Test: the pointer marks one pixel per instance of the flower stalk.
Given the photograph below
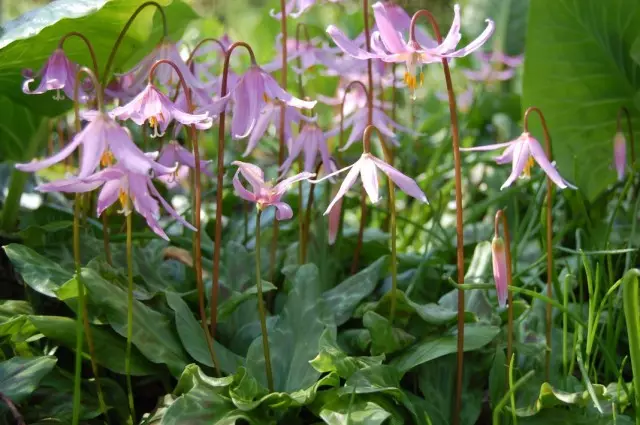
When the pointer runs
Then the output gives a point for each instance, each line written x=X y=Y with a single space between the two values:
x=455 y=140
x=302 y=220
x=261 y=308
x=217 y=241
x=501 y=219
x=197 y=206
x=549 y=221
x=127 y=358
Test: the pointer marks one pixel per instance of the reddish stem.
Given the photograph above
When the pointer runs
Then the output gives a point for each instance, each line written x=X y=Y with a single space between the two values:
x=217 y=241
x=204 y=41
x=197 y=247
x=89 y=46
x=502 y=218
x=455 y=140
x=547 y=141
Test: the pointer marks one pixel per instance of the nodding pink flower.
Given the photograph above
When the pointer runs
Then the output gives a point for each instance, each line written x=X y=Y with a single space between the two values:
x=134 y=79
x=154 y=106
x=388 y=45
x=102 y=140
x=334 y=221
x=306 y=53
x=250 y=95
x=499 y=256
x=523 y=153
x=263 y=194
x=489 y=71
x=174 y=153
x=359 y=122
x=271 y=115
x=354 y=99
x=171 y=181
x=620 y=154
x=118 y=183
x=400 y=21
x=58 y=73
x=312 y=141
x=367 y=167
x=295 y=8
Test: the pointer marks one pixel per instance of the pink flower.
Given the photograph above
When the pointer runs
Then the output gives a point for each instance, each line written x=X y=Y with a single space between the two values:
x=388 y=44
x=174 y=153
x=154 y=106
x=264 y=194
x=58 y=73
x=523 y=153
x=499 y=257
x=367 y=167
x=295 y=8
x=306 y=53
x=254 y=90
x=102 y=140
x=489 y=64
x=312 y=141
x=620 y=154
x=334 y=221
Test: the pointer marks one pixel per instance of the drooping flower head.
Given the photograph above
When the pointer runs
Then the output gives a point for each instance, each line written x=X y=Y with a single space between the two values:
x=491 y=67
x=153 y=106
x=388 y=45
x=262 y=193
x=499 y=257
x=58 y=73
x=252 y=93
x=620 y=154
x=102 y=140
x=120 y=184
x=523 y=153
x=312 y=141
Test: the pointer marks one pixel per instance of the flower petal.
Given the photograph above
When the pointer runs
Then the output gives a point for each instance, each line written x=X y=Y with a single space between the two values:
x=276 y=92
x=520 y=158
x=369 y=176
x=404 y=182
x=349 y=180
x=252 y=173
x=541 y=158
x=108 y=195
x=348 y=46
x=388 y=33
x=283 y=211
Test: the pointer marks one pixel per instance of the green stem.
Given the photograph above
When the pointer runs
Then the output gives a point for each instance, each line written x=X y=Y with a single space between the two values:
x=127 y=359
x=11 y=206
x=507 y=396
x=394 y=254
x=77 y=380
x=261 y=309
x=513 y=394
x=632 y=315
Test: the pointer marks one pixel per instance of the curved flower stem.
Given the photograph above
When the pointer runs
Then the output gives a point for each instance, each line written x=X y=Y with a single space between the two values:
x=455 y=141
x=202 y=42
x=197 y=206
x=261 y=309
x=86 y=41
x=217 y=241
x=502 y=218
x=632 y=145
x=547 y=141
x=123 y=32
x=281 y=128
x=82 y=322
x=17 y=417
x=369 y=92
x=392 y=216
x=127 y=357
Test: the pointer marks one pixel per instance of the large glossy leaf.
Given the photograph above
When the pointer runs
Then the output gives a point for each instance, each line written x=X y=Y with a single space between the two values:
x=28 y=41
x=193 y=338
x=153 y=332
x=41 y=274
x=475 y=337
x=294 y=337
x=109 y=348
x=579 y=72
x=19 y=376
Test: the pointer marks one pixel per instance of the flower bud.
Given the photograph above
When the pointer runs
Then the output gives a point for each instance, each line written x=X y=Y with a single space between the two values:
x=334 y=221
x=620 y=154
x=500 y=269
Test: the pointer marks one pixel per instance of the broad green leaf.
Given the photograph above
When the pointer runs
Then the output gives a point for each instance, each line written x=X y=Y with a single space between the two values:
x=498 y=377
x=342 y=412
x=28 y=41
x=109 y=348
x=294 y=337
x=385 y=339
x=475 y=337
x=345 y=297
x=41 y=274
x=511 y=22
x=193 y=338
x=579 y=72
x=153 y=332
x=19 y=376
x=228 y=306
x=560 y=416
x=332 y=359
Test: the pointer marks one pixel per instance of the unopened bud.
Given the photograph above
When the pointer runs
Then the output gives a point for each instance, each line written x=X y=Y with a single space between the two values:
x=620 y=154
x=500 y=269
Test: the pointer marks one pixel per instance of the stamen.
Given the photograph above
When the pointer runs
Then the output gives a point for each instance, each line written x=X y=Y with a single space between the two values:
x=106 y=160
x=123 y=197
x=527 y=167
x=58 y=95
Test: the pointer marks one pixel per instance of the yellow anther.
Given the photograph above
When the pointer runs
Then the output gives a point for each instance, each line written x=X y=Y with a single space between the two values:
x=106 y=160
x=421 y=78
x=527 y=167
x=124 y=200
x=266 y=98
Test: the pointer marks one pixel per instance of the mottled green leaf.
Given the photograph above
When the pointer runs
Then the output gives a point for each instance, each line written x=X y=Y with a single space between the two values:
x=41 y=274
x=19 y=376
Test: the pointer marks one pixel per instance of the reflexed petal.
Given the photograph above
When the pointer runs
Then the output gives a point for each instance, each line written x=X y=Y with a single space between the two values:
x=252 y=173
x=541 y=158
x=475 y=44
x=285 y=184
x=506 y=156
x=167 y=207
x=349 y=180
x=405 y=183
x=346 y=44
x=369 y=177
x=276 y=92
x=108 y=195
x=265 y=118
x=240 y=189
x=283 y=211
x=388 y=33
x=244 y=110
x=54 y=159
x=453 y=36
x=520 y=158
x=499 y=258
x=334 y=221
x=72 y=185
x=491 y=147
